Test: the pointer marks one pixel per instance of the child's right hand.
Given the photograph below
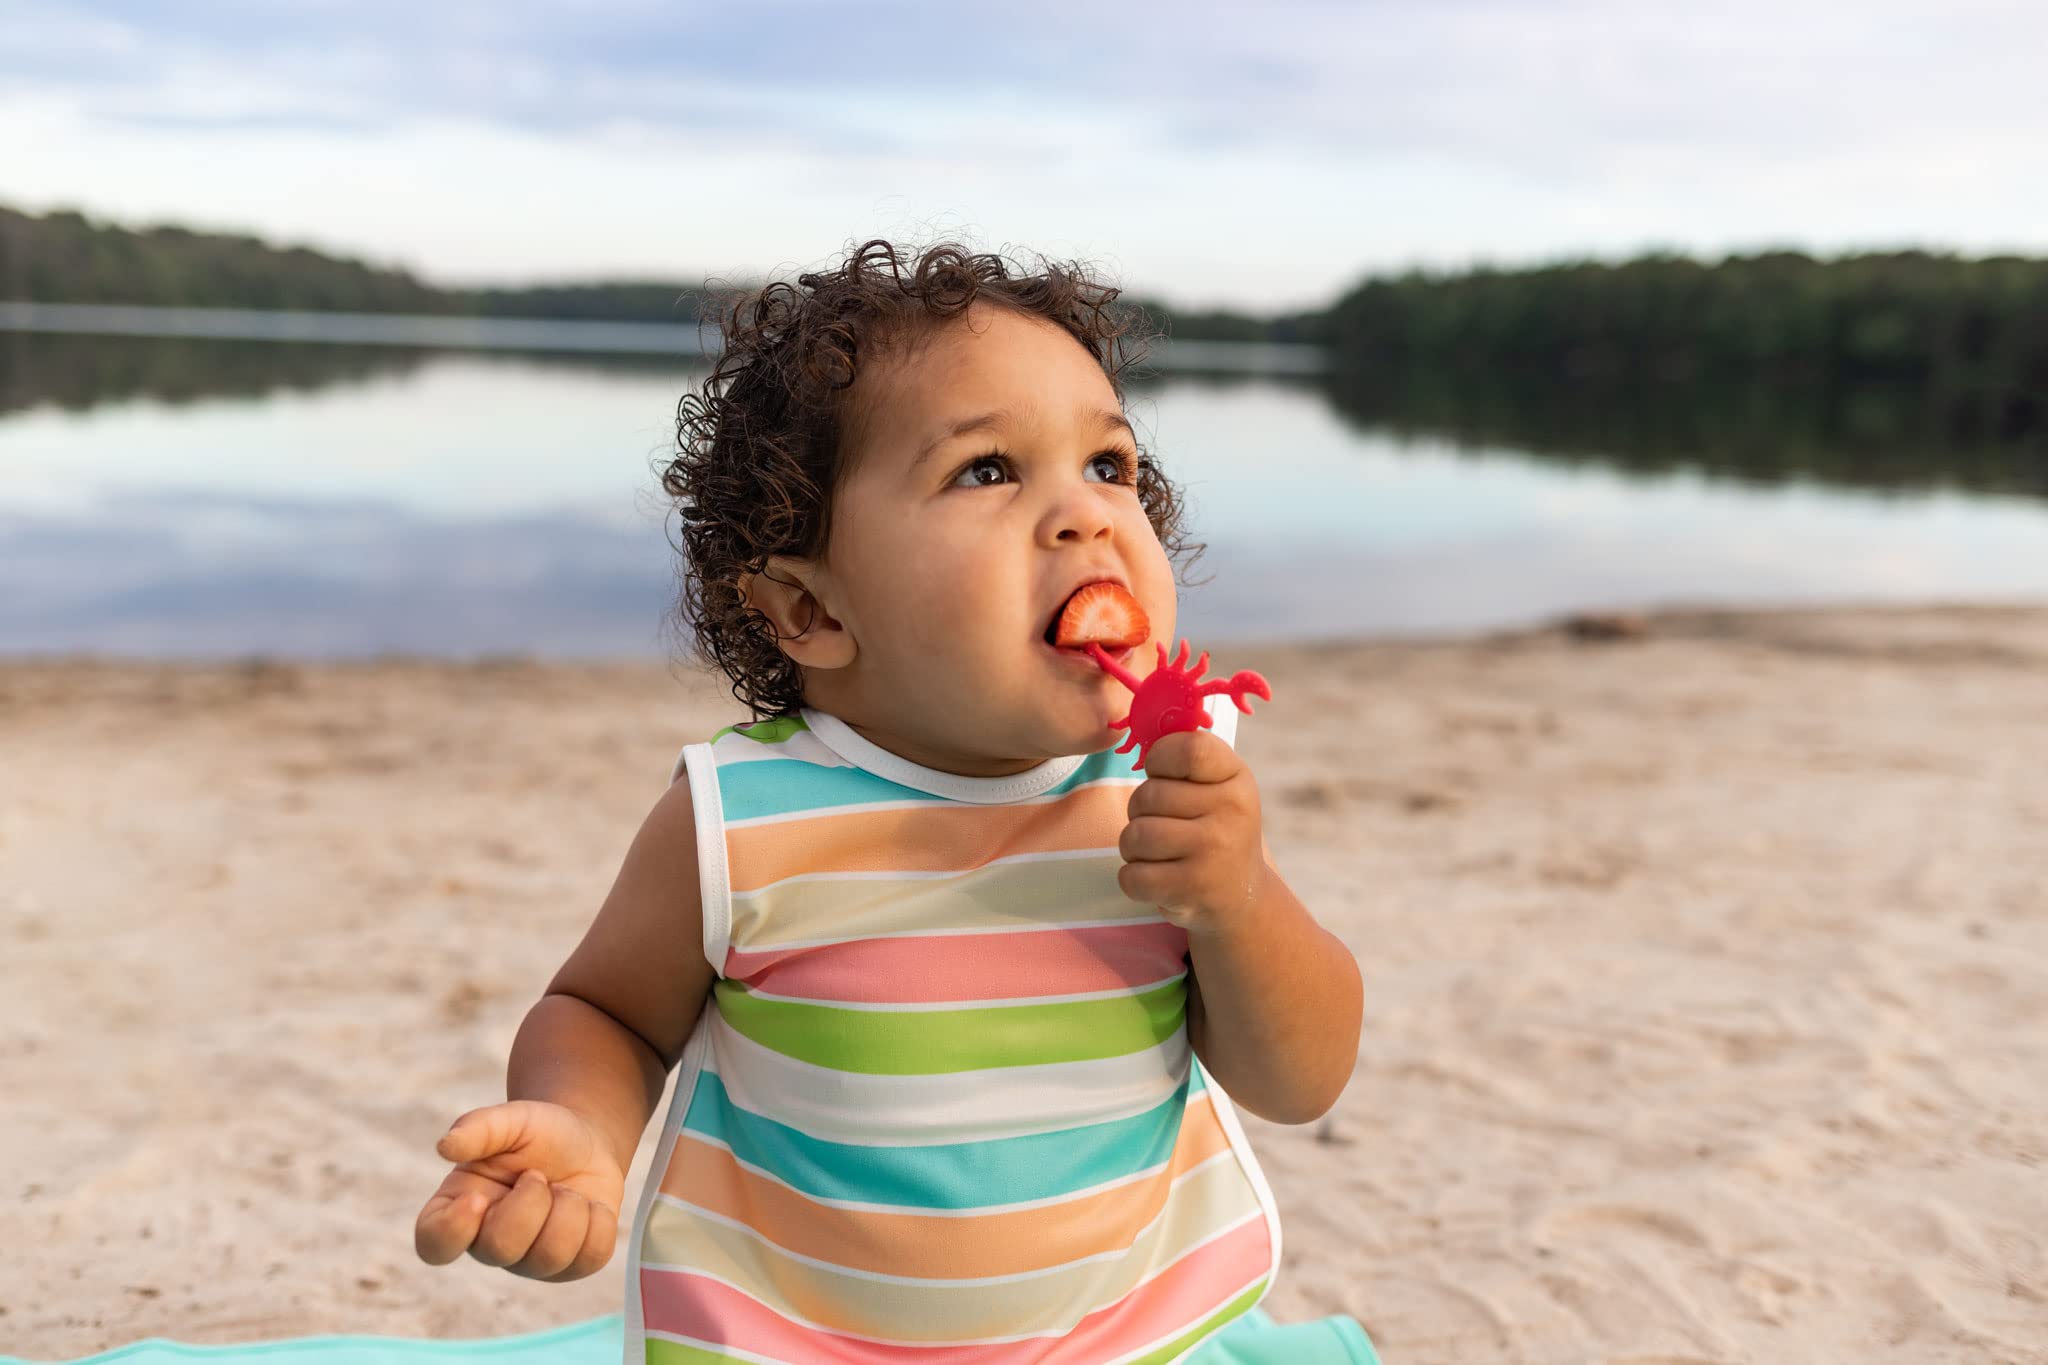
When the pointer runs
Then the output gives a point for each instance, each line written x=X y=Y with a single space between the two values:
x=535 y=1190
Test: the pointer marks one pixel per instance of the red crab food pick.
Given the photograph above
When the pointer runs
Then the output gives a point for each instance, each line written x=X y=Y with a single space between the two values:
x=1167 y=699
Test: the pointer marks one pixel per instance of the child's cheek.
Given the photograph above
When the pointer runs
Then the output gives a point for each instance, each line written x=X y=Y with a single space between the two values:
x=948 y=597
x=1152 y=576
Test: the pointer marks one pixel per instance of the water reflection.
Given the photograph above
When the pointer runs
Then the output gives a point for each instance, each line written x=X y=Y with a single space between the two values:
x=170 y=573
x=1868 y=436
x=77 y=373
x=1856 y=435
x=219 y=497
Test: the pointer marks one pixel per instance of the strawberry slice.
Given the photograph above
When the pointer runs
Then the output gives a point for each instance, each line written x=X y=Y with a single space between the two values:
x=1104 y=614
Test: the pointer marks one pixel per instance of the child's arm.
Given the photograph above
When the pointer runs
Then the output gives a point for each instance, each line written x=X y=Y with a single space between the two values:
x=586 y=1071
x=613 y=1022
x=1274 y=1005
x=1274 y=999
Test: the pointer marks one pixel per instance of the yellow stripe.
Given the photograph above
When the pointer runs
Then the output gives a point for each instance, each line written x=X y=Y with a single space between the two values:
x=1036 y=893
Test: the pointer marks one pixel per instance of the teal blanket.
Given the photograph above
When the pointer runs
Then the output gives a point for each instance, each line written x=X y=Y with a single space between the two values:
x=1253 y=1339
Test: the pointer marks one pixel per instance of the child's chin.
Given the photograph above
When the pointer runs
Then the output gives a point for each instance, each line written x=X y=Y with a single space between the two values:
x=1084 y=729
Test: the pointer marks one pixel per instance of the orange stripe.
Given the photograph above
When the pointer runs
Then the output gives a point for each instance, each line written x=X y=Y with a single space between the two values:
x=928 y=1247
x=926 y=838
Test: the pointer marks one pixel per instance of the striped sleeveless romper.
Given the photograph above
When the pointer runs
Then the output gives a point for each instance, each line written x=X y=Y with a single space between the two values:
x=940 y=1108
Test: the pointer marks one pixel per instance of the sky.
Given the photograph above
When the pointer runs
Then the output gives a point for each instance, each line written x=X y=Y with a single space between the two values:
x=1260 y=157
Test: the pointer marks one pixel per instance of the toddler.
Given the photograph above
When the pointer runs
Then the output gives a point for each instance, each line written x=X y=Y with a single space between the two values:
x=963 y=1002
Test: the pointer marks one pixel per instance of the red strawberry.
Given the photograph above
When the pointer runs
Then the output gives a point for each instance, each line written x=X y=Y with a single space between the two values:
x=1105 y=614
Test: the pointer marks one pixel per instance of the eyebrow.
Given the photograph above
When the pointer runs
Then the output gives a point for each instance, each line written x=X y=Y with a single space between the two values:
x=1106 y=420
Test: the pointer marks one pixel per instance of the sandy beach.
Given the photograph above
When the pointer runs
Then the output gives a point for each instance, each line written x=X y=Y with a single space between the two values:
x=1706 y=983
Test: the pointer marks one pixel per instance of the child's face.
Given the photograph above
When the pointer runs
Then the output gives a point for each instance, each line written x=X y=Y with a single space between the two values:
x=941 y=573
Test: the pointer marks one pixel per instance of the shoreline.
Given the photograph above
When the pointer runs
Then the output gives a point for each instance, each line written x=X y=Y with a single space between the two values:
x=1706 y=957
x=1665 y=622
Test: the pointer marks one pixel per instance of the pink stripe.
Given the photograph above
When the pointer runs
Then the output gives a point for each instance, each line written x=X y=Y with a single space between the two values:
x=939 y=967
x=1199 y=1284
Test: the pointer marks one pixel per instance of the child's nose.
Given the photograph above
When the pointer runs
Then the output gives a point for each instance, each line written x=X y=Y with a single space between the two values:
x=1079 y=516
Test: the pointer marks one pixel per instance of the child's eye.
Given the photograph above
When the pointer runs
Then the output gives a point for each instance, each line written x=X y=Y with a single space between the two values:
x=978 y=462
x=1124 y=465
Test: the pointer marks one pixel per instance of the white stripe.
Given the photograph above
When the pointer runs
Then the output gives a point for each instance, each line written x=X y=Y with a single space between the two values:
x=1140 y=914
x=714 y=877
x=958 y=1106
x=939 y=803
x=740 y=747
x=1001 y=1003
x=1226 y=1114
x=696 y=1052
x=858 y=808
x=1223 y=711
x=968 y=1341
x=858 y=749
x=927 y=1282
x=1051 y=856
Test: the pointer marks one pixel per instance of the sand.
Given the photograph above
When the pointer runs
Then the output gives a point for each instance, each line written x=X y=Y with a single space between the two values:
x=1706 y=970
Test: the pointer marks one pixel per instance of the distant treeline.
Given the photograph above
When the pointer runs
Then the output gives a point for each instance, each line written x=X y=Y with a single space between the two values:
x=66 y=257
x=1966 y=338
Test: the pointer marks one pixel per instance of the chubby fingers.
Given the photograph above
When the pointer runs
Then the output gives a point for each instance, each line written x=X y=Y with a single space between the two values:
x=535 y=1230
x=1159 y=839
x=448 y=1222
x=1193 y=756
x=510 y=1224
x=1172 y=797
x=546 y=1232
x=575 y=1242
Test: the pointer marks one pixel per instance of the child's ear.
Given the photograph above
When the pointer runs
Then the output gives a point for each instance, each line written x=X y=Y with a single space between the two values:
x=792 y=594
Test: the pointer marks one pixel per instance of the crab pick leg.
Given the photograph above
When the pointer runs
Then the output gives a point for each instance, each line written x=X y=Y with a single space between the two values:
x=1111 y=667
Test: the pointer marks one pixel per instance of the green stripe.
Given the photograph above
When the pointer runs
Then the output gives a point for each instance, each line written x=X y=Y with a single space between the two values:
x=766 y=731
x=661 y=1351
x=1236 y=1308
x=930 y=1042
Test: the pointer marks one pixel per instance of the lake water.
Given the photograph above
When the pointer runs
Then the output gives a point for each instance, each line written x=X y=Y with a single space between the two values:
x=463 y=503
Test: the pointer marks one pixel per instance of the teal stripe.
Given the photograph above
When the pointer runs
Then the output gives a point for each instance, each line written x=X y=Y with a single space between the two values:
x=957 y=1175
x=781 y=786
x=785 y=786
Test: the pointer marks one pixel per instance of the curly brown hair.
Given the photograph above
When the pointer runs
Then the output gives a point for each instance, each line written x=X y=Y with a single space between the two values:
x=762 y=448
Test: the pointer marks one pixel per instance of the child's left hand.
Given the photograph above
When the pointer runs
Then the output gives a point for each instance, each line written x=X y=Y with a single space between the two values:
x=1194 y=846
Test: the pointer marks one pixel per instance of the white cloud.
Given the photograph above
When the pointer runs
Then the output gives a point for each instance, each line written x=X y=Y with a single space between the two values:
x=1263 y=157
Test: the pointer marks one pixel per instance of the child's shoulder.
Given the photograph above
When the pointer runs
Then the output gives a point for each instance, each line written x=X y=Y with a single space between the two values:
x=741 y=740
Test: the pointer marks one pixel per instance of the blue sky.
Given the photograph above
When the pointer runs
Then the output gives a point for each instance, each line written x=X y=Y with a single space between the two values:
x=1258 y=156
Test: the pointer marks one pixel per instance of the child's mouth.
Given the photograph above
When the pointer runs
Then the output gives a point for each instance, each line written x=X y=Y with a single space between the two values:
x=1081 y=656
x=1104 y=613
